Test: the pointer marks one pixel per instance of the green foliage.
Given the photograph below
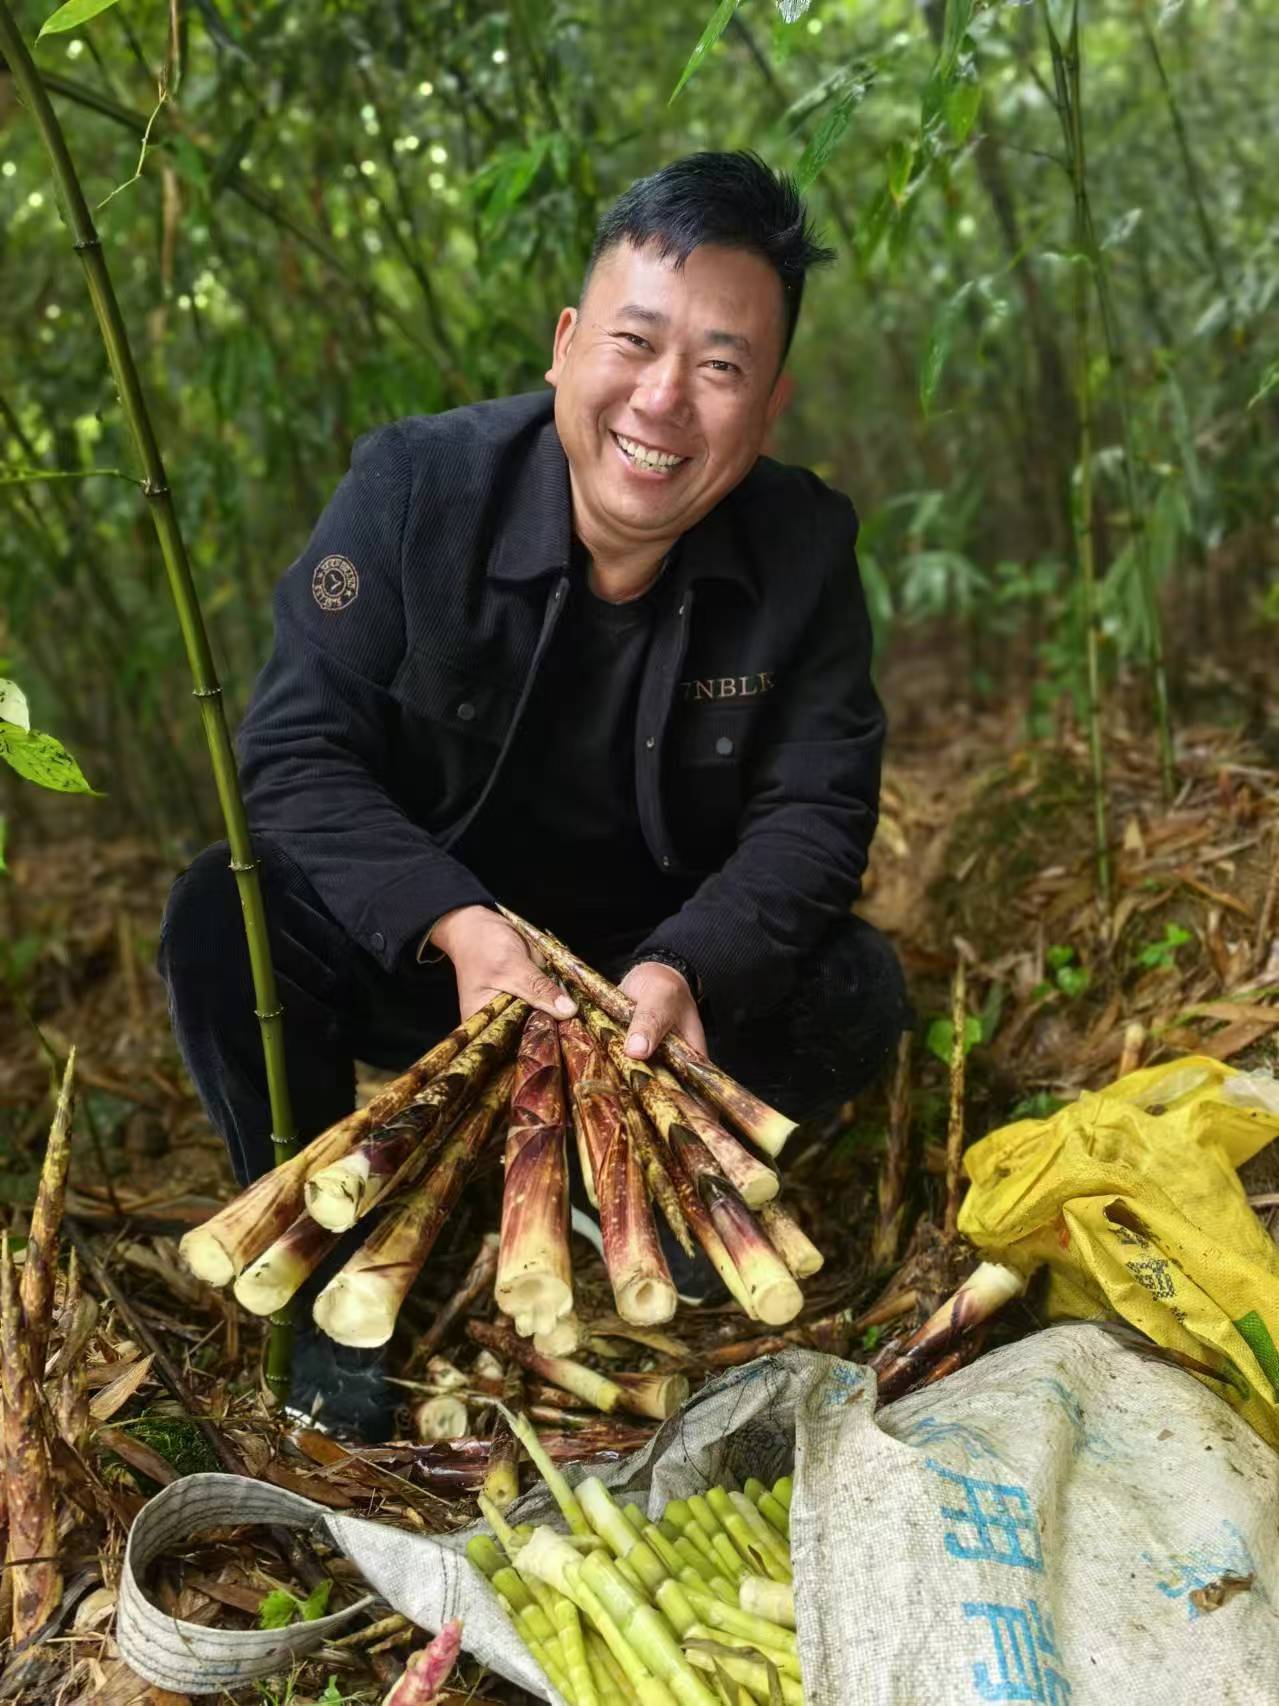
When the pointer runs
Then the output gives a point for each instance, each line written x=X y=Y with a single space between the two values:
x=371 y=210
x=72 y=15
x=280 y=1607
x=37 y=757
x=1041 y=1105
x=1067 y=978
x=939 y=1039
x=981 y=1027
x=720 y=19
x=1163 y=953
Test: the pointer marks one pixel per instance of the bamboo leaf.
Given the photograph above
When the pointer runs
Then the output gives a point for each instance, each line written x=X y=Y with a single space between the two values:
x=4 y=831
x=72 y=15
x=13 y=705
x=793 y=10
x=826 y=138
x=1269 y=382
x=939 y=343
x=960 y=106
x=721 y=18
x=42 y=759
x=959 y=15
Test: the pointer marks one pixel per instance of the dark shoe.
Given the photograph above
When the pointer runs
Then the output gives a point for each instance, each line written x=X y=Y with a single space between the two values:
x=339 y=1391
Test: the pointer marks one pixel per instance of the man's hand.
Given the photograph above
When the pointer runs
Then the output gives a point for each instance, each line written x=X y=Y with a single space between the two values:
x=663 y=1002
x=489 y=958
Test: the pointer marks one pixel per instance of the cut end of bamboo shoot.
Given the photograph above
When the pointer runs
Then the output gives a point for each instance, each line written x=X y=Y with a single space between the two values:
x=266 y=1285
x=357 y=1310
x=646 y=1301
x=337 y=1195
x=207 y=1257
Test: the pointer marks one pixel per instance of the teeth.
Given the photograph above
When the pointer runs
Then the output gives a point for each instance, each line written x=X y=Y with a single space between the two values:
x=645 y=458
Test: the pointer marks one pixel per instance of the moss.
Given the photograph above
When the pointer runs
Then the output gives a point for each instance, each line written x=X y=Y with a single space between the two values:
x=178 y=1440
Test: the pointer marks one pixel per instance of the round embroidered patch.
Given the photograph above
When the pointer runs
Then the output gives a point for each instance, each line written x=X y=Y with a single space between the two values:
x=335 y=583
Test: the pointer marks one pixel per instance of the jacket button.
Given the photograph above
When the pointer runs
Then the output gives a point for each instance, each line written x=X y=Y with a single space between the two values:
x=378 y=940
x=666 y=864
x=723 y=746
x=650 y=743
x=466 y=711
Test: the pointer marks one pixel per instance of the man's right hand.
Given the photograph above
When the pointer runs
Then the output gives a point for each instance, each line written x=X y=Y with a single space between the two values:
x=490 y=958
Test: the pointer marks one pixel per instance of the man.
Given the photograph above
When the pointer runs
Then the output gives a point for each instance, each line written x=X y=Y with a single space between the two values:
x=588 y=654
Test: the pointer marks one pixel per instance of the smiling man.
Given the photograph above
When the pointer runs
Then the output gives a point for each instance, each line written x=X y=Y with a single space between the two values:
x=589 y=654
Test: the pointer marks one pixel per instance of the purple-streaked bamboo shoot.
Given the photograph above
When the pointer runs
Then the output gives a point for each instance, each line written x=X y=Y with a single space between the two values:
x=477 y=1282
x=360 y=1304
x=983 y=1294
x=236 y=1235
x=268 y=1283
x=655 y=1395
x=671 y=1110
x=637 y=1269
x=766 y=1127
x=790 y=1241
x=560 y=1340
x=534 y=1270
x=398 y=1152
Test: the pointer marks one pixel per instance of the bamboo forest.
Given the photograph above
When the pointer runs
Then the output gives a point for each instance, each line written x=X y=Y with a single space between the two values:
x=700 y=1130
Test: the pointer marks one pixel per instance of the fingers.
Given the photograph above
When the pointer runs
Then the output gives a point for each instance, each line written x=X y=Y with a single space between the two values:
x=690 y=1027
x=663 y=1002
x=531 y=984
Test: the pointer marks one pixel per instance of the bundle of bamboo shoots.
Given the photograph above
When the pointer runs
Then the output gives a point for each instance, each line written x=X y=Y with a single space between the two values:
x=646 y=1135
x=623 y=1609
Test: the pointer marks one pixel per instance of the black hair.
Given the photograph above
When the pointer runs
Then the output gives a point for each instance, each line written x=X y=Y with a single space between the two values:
x=733 y=200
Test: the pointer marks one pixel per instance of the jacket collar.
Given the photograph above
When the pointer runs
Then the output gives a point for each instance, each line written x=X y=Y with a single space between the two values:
x=535 y=528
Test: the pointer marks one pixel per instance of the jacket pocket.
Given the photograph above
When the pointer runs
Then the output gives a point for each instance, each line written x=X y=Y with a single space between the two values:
x=449 y=698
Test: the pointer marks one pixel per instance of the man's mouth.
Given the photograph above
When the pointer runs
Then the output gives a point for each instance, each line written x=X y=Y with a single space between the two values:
x=645 y=456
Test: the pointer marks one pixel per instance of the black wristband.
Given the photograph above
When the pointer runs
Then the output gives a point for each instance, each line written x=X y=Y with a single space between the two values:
x=677 y=962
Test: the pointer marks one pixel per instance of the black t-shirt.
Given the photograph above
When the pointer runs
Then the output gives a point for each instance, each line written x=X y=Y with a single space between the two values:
x=559 y=838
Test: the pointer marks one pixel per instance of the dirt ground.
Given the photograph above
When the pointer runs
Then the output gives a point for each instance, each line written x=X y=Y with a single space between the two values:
x=984 y=851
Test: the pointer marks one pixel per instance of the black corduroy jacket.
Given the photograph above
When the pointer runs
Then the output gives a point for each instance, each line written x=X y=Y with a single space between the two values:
x=409 y=634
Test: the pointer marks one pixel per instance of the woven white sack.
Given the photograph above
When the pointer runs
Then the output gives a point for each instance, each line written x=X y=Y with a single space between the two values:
x=1068 y=1520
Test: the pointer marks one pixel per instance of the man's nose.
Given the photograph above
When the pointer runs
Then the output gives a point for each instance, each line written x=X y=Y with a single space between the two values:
x=664 y=391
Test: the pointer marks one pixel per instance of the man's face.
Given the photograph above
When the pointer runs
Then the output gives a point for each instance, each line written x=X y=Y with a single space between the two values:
x=666 y=380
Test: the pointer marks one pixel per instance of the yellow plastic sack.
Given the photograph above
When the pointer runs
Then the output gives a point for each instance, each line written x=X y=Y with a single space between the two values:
x=1130 y=1196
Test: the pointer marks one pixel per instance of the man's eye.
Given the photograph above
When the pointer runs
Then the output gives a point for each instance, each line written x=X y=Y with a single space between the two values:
x=725 y=366
x=635 y=339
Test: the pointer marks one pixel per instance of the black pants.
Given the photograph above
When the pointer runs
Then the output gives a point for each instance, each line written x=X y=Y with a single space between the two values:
x=828 y=1039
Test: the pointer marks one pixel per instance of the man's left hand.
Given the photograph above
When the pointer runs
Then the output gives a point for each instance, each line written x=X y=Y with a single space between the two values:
x=663 y=1002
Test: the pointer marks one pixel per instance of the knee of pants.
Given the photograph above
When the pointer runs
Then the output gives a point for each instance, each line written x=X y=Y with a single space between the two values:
x=202 y=931
x=855 y=970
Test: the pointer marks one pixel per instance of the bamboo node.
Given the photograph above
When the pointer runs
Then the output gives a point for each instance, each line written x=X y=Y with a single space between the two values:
x=272 y=1013
x=197 y=692
x=94 y=242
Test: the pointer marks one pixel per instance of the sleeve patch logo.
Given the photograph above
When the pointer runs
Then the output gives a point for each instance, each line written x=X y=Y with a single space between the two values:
x=335 y=583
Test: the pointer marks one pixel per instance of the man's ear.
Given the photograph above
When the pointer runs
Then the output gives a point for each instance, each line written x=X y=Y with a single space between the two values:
x=564 y=328
x=783 y=391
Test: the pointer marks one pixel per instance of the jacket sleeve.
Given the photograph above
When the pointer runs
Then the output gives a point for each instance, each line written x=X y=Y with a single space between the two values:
x=812 y=805
x=315 y=745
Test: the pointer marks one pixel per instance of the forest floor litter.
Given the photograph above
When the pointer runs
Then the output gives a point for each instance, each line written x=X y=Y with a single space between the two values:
x=982 y=860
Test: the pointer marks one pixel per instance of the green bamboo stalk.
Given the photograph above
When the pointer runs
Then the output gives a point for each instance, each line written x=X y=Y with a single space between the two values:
x=1067 y=62
x=207 y=690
